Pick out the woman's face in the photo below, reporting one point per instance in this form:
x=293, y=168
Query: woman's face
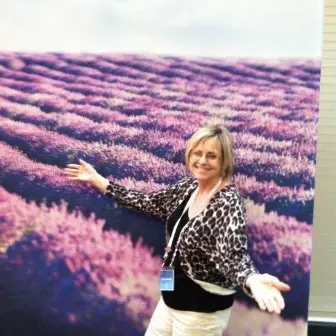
x=205, y=161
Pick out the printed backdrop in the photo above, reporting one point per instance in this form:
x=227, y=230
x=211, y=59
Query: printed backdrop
x=73, y=262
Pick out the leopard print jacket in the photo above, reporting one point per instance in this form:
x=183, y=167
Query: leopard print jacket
x=213, y=248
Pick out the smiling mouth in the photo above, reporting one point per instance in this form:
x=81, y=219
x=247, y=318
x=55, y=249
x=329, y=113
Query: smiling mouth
x=204, y=169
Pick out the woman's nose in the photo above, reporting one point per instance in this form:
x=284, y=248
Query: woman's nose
x=202, y=159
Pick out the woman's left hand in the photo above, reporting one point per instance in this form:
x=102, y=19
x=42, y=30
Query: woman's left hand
x=266, y=290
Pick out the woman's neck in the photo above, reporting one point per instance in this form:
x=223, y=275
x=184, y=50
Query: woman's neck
x=205, y=187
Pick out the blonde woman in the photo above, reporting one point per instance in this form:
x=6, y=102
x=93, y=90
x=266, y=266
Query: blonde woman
x=206, y=256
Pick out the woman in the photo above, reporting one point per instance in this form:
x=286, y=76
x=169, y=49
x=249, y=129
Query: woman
x=206, y=256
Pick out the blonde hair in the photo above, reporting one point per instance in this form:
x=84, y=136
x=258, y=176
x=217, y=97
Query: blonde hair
x=224, y=138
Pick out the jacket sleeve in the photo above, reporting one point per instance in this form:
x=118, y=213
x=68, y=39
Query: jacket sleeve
x=155, y=203
x=233, y=244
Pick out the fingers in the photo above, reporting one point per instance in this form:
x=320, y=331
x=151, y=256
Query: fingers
x=84, y=163
x=283, y=287
x=267, y=292
x=272, y=304
x=71, y=171
x=279, y=299
x=73, y=165
x=275, y=282
x=266, y=301
x=279, y=285
x=73, y=178
x=261, y=303
x=270, y=278
x=71, y=174
x=276, y=302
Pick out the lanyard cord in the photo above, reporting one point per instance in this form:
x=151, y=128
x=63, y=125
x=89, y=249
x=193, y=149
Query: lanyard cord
x=190, y=202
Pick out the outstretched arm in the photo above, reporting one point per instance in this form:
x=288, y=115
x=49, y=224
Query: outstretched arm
x=264, y=288
x=155, y=203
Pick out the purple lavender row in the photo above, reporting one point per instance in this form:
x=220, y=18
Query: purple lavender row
x=284, y=170
x=144, y=104
x=141, y=106
x=40, y=182
x=282, y=248
x=233, y=66
x=134, y=114
x=114, y=66
x=20, y=173
x=308, y=96
x=291, y=168
x=168, y=145
x=234, y=73
x=293, y=202
x=306, y=69
x=217, y=71
x=34, y=73
x=259, y=125
x=278, y=240
x=30, y=178
x=284, y=147
x=249, y=71
x=121, y=160
x=302, y=100
x=195, y=103
x=251, y=122
x=261, y=191
x=89, y=275
x=44, y=101
x=303, y=69
x=117, y=160
x=165, y=145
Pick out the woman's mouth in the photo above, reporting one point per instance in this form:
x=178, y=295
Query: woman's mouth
x=202, y=169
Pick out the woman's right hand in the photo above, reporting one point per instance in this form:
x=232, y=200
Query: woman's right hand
x=81, y=172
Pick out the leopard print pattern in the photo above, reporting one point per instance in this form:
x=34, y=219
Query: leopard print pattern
x=213, y=247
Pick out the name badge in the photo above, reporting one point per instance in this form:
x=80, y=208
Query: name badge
x=167, y=279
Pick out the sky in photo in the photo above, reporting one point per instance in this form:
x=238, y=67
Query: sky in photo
x=212, y=28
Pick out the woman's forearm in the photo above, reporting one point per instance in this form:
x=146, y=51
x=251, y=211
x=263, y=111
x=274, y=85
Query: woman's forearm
x=100, y=182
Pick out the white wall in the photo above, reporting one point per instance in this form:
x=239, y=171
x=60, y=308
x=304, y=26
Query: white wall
x=323, y=281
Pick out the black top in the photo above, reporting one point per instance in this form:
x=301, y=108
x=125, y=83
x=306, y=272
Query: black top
x=188, y=295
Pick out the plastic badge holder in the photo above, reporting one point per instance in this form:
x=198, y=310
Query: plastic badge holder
x=167, y=279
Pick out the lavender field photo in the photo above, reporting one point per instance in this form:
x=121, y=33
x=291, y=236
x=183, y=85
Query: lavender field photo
x=72, y=260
